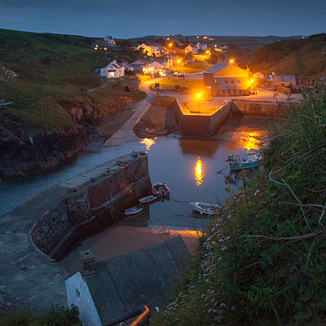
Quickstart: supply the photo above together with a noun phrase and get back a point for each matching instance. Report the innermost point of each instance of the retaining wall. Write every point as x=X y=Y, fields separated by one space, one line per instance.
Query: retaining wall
x=89 y=209
x=266 y=109
x=201 y=125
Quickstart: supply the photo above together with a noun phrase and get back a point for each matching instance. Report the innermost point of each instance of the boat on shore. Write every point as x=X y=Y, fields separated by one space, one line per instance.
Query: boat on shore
x=236 y=164
x=204 y=208
x=161 y=189
x=134 y=210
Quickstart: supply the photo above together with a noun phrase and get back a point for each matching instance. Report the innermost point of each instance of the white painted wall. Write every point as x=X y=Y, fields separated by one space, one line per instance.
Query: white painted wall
x=78 y=294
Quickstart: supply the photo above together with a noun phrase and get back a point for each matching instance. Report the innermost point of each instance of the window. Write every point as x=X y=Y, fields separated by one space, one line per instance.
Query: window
x=232 y=81
x=226 y=82
x=111 y=74
x=234 y=87
x=239 y=81
x=228 y=87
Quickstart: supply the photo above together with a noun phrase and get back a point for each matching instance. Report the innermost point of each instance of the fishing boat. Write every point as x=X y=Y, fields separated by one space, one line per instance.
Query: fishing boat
x=161 y=189
x=204 y=208
x=134 y=210
x=236 y=163
x=148 y=199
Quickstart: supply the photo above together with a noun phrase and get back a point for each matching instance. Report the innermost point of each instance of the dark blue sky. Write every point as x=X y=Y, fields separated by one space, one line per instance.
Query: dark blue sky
x=131 y=18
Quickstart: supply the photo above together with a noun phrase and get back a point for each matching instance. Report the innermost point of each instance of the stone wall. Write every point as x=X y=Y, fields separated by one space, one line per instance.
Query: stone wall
x=265 y=109
x=201 y=125
x=92 y=208
x=130 y=84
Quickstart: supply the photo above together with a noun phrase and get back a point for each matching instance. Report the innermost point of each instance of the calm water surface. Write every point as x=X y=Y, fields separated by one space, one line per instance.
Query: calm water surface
x=188 y=167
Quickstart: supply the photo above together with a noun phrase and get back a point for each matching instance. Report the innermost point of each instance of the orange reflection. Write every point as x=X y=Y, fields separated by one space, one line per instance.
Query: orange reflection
x=251 y=140
x=199 y=175
x=148 y=142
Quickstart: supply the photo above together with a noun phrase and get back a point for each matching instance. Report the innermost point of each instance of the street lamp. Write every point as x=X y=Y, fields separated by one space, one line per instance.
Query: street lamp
x=198 y=97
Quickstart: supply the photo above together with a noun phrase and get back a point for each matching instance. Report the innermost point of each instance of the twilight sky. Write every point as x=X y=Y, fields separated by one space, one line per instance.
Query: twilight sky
x=132 y=18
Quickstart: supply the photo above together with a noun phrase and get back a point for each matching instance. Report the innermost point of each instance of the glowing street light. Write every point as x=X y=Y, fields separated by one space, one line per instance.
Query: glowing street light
x=198 y=98
x=232 y=60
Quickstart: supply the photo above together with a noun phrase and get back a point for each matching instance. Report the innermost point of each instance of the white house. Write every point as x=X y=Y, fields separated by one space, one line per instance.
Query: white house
x=191 y=49
x=201 y=46
x=109 y=40
x=112 y=70
x=151 y=49
x=154 y=68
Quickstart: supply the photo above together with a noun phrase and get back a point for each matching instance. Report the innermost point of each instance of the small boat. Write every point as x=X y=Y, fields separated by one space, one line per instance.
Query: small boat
x=161 y=189
x=252 y=162
x=134 y=210
x=204 y=208
x=148 y=199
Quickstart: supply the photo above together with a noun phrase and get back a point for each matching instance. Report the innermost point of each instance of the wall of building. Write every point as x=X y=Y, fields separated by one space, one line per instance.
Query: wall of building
x=92 y=208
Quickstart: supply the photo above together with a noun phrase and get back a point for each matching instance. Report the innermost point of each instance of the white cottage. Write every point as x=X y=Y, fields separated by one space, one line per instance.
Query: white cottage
x=113 y=70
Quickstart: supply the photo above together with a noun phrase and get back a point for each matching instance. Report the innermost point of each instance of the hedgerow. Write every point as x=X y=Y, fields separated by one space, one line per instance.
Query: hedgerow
x=262 y=260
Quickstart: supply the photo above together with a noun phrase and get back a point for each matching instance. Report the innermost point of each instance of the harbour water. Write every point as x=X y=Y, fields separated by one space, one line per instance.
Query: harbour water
x=189 y=167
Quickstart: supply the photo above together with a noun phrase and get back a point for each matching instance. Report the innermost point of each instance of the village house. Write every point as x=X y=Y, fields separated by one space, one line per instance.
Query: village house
x=283 y=80
x=105 y=45
x=138 y=65
x=226 y=79
x=201 y=46
x=155 y=68
x=127 y=66
x=112 y=70
x=107 y=290
x=151 y=49
x=191 y=49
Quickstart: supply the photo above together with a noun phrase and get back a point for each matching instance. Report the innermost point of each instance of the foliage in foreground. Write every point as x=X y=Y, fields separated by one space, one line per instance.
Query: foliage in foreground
x=55 y=316
x=263 y=258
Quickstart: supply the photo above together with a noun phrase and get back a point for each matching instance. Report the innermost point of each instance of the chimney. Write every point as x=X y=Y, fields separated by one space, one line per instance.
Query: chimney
x=87 y=259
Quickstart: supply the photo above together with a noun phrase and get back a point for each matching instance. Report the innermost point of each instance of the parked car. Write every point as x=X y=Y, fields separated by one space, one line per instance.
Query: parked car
x=209 y=98
x=181 y=74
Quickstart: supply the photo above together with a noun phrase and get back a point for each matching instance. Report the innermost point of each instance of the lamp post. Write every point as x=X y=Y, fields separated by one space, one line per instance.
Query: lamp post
x=198 y=97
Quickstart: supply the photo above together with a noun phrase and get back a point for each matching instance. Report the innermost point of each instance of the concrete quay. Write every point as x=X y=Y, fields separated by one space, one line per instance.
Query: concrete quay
x=46 y=225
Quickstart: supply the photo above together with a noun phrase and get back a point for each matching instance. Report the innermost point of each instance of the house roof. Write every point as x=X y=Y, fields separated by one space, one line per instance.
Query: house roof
x=143 y=277
x=138 y=62
x=232 y=83
x=225 y=69
x=285 y=78
x=218 y=66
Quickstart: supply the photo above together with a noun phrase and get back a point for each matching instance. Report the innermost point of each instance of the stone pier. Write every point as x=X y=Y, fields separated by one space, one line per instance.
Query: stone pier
x=43 y=229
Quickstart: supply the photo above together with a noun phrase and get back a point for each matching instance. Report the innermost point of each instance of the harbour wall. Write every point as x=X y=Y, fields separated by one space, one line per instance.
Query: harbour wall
x=89 y=209
x=48 y=224
x=199 y=124
x=265 y=109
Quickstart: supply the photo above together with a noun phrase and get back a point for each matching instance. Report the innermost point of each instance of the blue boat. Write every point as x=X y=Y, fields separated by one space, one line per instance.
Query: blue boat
x=236 y=164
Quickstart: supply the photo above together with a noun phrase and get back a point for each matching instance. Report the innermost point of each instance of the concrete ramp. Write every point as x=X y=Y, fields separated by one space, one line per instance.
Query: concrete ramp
x=122 y=284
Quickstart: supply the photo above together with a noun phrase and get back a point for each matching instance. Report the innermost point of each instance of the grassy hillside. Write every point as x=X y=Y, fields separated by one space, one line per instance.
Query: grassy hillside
x=40 y=71
x=300 y=57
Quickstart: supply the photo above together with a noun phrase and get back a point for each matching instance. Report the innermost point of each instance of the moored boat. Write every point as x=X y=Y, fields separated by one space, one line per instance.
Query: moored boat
x=236 y=163
x=134 y=210
x=204 y=208
x=161 y=189
x=148 y=199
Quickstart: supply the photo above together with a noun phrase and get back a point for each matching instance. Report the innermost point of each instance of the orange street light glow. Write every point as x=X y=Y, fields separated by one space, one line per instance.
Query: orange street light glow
x=198 y=95
x=251 y=80
x=231 y=61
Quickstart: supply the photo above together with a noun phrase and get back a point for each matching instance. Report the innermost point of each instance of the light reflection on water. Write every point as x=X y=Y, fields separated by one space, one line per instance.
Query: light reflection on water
x=148 y=142
x=199 y=174
x=251 y=140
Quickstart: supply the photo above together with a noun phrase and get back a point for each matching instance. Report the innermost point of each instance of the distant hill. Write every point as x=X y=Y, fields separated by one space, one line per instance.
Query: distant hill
x=304 y=57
